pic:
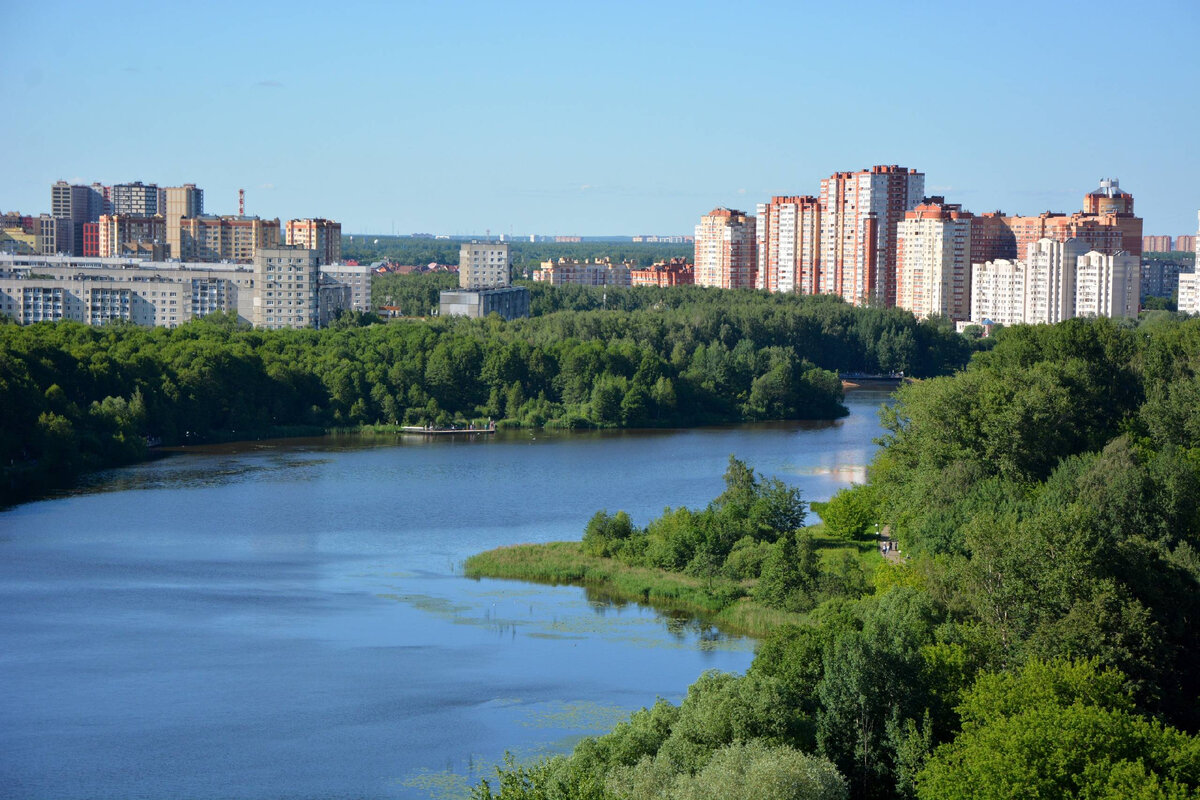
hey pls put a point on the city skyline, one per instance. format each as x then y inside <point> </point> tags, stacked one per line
<point>536,118</point>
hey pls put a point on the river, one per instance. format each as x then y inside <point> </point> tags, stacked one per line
<point>289,619</point>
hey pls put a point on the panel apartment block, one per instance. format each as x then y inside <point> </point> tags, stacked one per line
<point>726,250</point>
<point>789,239</point>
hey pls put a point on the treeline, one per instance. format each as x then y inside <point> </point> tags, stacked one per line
<point>1038,641</point>
<point>525,255</point>
<point>78,398</point>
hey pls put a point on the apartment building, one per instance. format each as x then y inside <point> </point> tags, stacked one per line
<point>788,233</point>
<point>1185,243</point>
<point>860,222</point>
<point>726,250</point>
<point>1050,280</point>
<point>179,202</point>
<point>121,235</point>
<point>483,265</point>
<point>357,280</point>
<point>322,235</point>
<point>225,238</point>
<point>933,255</point>
<point>1107,285</point>
<point>136,199</point>
<point>569,272</point>
<point>676,272</point>
<point>1157,244</point>
<point>998,292</point>
<point>286,282</point>
<point>1189,293</point>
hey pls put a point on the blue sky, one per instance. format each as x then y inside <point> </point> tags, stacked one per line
<point>599,118</point>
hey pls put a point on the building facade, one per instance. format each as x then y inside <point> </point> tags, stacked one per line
<point>860,222</point>
<point>322,235</point>
<point>998,292</point>
<point>676,272</point>
<point>788,232</point>
<point>120,235</point>
<point>510,302</point>
<point>136,199</point>
<point>1189,293</point>
<point>569,272</point>
<point>180,201</point>
<point>1050,280</point>
<point>1157,244</point>
<point>1107,285</point>
<point>483,265</point>
<point>726,250</point>
<point>286,280</point>
<point>933,255</point>
<point>225,238</point>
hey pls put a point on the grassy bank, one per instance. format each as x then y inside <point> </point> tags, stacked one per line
<point>720,601</point>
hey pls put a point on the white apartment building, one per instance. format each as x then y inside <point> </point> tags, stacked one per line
<point>483,265</point>
<point>1189,293</point>
<point>933,254</point>
<point>567,272</point>
<point>1050,280</point>
<point>286,279</point>
<point>1107,285</point>
<point>860,220</point>
<point>726,250</point>
<point>355,276</point>
<point>998,292</point>
<point>788,233</point>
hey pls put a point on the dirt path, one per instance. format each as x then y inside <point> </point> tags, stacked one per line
<point>888,547</point>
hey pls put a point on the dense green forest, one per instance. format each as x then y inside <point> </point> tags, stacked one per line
<point>1038,640</point>
<point>525,255</point>
<point>78,397</point>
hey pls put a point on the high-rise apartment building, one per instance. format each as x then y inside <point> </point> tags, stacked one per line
<point>788,230</point>
<point>726,250</point>
<point>285,288</point>
<point>180,201</point>
<point>226,238</point>
<point>998,292</point>
<point>676,272</point>
<point>933,255</point>
<point>483,265</point>
<point>1189,293</point>
<point>1156,244</point>
<point>992,238</point>
<point>570,272</point>
<point>1107,285</point>
<point>860,221</point>
<point>1185,244</point>
<point>136,199</point>
<point>322,235</point>
<point>1050,280</point>
<point>121,235</point>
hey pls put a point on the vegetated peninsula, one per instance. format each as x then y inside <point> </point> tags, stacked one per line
<point>1036,640</point>
<point>80,398</point>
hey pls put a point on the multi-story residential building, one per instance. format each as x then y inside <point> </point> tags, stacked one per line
<point>136,199</point>
<point>676,272</point>
<point>286,282</point>
<point>322,235</point>
<point>788,232</point>
<point>860,220</point>
<point>1106,285</point>
<point>601,272</point>
<point>998,292</point>
<point>225,238</point>
<point>483,265</point>
<point>119,235</point>
<point>1160,276</point>
<point>55,235</point>
<point>1185,243</point>
<point>180,201</point>
<point>510,302</point>
<point>71,202</point>
<point>933,257</point>
<point>1189,293</point>
<point>18,234</point>
<point>1156,244</point>
<point>726,250</point>
<point>992,238</point>
<point>91,239</point>
<point>1050,280</point>
<point>357,280</point>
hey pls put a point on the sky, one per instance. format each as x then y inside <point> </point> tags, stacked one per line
<point>599,118</point>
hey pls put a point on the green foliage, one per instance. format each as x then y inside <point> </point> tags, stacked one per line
<point>851,513</point>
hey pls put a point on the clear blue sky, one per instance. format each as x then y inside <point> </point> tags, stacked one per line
<point>599,118</point>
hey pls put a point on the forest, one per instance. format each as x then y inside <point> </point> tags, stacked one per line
<point>80,398</point>
<point>525,255</point>
<point>1037,641</point>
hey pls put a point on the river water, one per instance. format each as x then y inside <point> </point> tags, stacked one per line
<point>289,619</point>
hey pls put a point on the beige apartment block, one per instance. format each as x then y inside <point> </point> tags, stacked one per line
<point>483,265</point>
<point>726,250</point>
<point>285,288</point>
<point>225,238</point>
<point>568,272</point>
<point>180,201</point>
<point>933,275</point>
<point>322,235</point>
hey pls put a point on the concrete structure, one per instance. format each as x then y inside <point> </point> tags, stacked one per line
<point>992,238</point>
<point>1189,293</point>
<point>225,238</point>
<point>1160,276</point>
<point>357,280</point>
<point>568,272</point>
<point>788,233</point>
<point>286,288</point>
<point>322,235</point>
<point>510,302</point>
<point>136,199</point>
<point>677,272</point>
<point>1185,244</point>
<point>1050,280</point>
<point>483,265</point>
<point>1157,244</point>
<point>933,257</point>
<point>54,235</point>
<point>120,235</point>
<point>998,292</point>
<point>1106,285</point>
<point>860,220</point>
<point>181,201</point>
<point>726,250</point>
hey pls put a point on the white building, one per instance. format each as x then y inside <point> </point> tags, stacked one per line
<point>1107,285</point>
<point>357,277</point>
<point>1189,292</point>
<point>1050,280</point>
<point>933,255</point>
<point>998,292</point>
